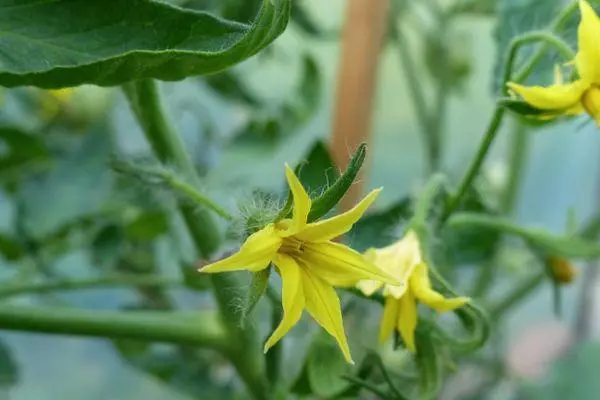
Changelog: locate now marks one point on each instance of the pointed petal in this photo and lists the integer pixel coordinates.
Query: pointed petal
(292, 297)
(587, 59)
(302, 202)
(389, 319)
(255, 254)
(339, 265)
(407, 320)
(554, 97)
(324, 305)
(420, 285)
(331, 228)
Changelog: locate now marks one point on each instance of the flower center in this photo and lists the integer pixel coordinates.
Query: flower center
(591, 102)
(292, 247)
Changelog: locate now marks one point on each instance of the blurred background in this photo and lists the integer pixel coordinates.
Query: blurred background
(64, 213)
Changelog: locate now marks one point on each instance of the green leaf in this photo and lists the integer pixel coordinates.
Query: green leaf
(231, 87)
(67, 43)
(10, 248)
(9, 373)
(381, 228)
(302, 18)
(323, 369)
(561, 246)
(326, 366)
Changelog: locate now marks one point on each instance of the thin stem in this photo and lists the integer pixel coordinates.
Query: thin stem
(417, 96)
(517, 294)
(558, 22)
(518, 154)
(191, 328)
(473, 170)
(62, 285)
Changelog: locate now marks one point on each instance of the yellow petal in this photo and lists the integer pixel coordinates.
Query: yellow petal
(368, 286)
(255, 254)
(292, 297)
(554, 97)
(328, 229)
(420, 285)
(324, 306)
(339, 265)
(587, 59)
(400, 258)
(407, 320)
(302, 202)
(389, 319)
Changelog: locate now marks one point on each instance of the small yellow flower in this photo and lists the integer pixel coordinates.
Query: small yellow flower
(404, 260)
(583, 94)
(53, 101)
(309, 263)
(562, 270)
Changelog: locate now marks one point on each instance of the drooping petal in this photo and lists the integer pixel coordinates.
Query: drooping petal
(420, 285)
(255, 254)
(587, 59)
(331, 228)
(554, 97)
(292, 297)
(389, 320)
(324, 305)
(407, 320)
(339, 265)
(400, 258)
(302, 202)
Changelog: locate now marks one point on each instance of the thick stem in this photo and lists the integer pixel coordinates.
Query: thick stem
(197, 328)
(145, 101)
(107, 281)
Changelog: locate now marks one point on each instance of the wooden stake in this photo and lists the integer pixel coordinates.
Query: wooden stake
(364, 31)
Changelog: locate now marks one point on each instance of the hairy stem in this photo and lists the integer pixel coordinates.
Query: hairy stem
(145, 101)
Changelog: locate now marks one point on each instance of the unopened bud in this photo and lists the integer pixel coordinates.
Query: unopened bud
(562, 270)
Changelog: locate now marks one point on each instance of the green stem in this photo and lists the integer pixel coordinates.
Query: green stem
(191, 328)
(473, 170)
(558, 22)
(521, 291)
(531, 37)
(416, 94)
(518, 154)
(123, 280)
(145, 101)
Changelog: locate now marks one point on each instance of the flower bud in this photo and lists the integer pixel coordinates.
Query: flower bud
(562, 270)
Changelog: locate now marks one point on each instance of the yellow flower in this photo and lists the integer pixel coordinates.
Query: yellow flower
(309, 263)
(583, 94)
(404, 260)
(52, 101)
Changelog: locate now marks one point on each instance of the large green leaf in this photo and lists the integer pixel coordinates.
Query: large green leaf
(70, 42)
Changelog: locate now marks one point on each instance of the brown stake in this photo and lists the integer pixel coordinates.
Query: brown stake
(364, 31)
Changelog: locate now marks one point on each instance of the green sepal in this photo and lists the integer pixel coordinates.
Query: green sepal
(258, 285)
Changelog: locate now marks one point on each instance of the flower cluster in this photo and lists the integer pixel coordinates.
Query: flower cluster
(311, 264)
(581, 95)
